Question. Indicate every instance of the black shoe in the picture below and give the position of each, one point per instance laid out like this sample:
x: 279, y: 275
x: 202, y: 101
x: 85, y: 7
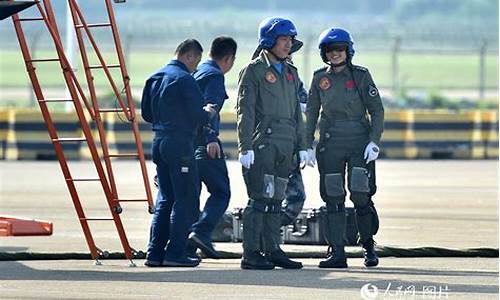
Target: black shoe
x: 336, y: 259
x: 280, y: 259
x: 153, y: 264
x: 181, y: 262
x: 206, y: 247
x: 371, y: 258
x: 255, y: 261
x: 191, y: 252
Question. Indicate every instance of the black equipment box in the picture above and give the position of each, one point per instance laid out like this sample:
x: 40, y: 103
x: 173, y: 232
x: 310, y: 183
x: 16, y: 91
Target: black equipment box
x: 308, y: 229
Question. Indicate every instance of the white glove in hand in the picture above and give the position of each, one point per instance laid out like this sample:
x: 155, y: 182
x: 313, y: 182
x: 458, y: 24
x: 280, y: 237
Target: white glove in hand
x: 210, y: 109
x: 371, y: 152
x: 246, y: 159
x: 303, y: 107
x: 311, y: 157
x: 303, y: 157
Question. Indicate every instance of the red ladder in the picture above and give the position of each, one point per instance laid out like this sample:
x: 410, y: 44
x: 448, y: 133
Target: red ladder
x: 77, y: 97
x: 126, y: 108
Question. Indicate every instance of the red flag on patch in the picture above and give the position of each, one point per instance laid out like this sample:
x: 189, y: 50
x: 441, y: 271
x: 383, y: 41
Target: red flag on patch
x: 350, y: 84
x: 289, y: 76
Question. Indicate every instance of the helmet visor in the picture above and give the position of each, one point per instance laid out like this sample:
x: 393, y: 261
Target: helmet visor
x: 338, y: 47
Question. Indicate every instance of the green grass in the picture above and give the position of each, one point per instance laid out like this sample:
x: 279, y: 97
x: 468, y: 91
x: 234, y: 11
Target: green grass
x: 421, y: 71
x: 427, y: 72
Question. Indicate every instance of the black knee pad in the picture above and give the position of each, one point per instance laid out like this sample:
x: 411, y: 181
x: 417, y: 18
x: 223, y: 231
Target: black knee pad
x: 359, y: 180
x: 334, y: 184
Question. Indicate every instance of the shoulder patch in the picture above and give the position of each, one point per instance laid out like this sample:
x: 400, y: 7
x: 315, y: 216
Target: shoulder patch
x: 324, y: 83
x: 372, y: 90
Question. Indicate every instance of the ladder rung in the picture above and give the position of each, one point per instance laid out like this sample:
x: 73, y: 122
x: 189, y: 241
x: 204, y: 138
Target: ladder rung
x: 124, y: 155
x: 56, y: 100
x: 69, y: 140
x: 44, y: 59
x: 101, y: 67
x: 131, y: 200
x: 107, y: 110
x: 29, y: 19
x: 93, y: 25
x: 97, y: 219
x: 83, y: 179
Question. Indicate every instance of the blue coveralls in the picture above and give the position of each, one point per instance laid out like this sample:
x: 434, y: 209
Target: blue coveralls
x: 212, y: 172
x: 173, y: 103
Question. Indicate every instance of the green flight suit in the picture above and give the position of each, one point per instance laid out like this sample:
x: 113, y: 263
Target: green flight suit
x: 351, y: 115
x: 269, y: 123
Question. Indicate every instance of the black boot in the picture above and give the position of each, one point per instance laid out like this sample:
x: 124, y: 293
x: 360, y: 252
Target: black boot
x: 371, y: 258
x: 255, y: 261
x: 336, y: 259
x: 280, y: 259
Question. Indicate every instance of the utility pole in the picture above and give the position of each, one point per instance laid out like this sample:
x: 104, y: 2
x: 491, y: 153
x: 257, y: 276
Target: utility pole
x: 70, y: 49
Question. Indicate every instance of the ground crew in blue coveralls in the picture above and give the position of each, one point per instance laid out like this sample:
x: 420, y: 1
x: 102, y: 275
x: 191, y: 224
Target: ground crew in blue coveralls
x: 173, y: 103
x: 270, y: 130
x: 209, y: 154
x: 351, y: 113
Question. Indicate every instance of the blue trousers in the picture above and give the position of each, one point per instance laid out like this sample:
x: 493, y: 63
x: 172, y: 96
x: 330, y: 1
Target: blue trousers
x: 177, y: 200
x: 213, y: 173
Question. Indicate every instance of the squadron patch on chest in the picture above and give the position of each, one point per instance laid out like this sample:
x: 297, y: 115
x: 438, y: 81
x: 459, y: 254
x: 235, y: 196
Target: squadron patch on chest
x: 324, y: 83
x: 372, y: 90
x: 270, y: 77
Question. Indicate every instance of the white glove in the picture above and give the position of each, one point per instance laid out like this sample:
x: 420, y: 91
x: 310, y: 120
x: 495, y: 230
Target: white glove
x: 303, y: 107
x: 246, y: 160
x: 303, y: 157
x: 371, y: 152
x: 210, y: 109
x: 311, y: 155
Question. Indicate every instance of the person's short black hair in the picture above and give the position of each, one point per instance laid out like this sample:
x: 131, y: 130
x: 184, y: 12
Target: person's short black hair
x: 189, y: 45
x: 222, y: 46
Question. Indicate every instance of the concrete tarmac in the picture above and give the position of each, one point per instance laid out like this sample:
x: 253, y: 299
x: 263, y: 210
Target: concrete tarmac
x: 448, y: 203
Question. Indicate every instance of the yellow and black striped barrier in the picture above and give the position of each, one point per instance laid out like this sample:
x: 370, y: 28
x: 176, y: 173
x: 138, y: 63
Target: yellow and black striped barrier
x: 408, y: 134
x: 398, y: 140
x: 228, y: 135
x: 489, y: 133
x: 120, y: 136
x: 445, y: 134
x: 28, y: 139
x: 4, y: 129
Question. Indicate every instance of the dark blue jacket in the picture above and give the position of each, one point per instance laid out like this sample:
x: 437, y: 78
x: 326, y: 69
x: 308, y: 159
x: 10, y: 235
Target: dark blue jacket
x: 210, y: 79
x: 172, y: 101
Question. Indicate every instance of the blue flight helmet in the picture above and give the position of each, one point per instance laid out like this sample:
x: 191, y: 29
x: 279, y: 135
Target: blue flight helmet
x: 271, y: 28
x: 335, y: 36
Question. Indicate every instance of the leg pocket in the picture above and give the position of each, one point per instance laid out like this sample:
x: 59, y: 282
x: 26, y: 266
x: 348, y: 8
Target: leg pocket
x: 268, y: 188
x: 280, y: 188
x: 359, y: 180
x: 334, y: 184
